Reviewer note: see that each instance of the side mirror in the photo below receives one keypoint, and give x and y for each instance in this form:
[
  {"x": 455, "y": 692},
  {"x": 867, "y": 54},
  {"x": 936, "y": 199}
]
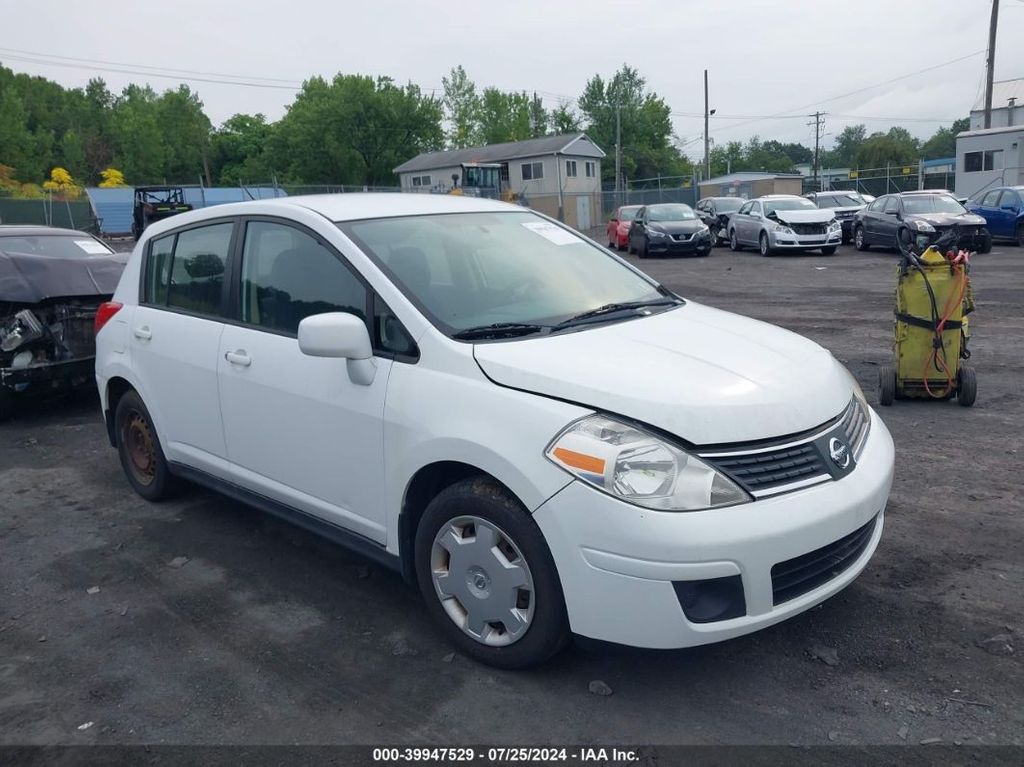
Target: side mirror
[{"x": 340, "y": 335}]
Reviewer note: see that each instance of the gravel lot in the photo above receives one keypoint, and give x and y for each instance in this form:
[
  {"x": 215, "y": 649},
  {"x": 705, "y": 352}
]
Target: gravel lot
[{"x": 267, "y": 635}]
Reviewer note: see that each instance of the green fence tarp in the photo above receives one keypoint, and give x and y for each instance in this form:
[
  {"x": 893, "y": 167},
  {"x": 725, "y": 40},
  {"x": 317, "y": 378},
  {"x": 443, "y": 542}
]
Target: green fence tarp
[{"x": 71, "y": 215}]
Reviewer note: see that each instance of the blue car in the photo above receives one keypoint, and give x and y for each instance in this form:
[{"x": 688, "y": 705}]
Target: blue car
[{"x": 1003, "y": 211}]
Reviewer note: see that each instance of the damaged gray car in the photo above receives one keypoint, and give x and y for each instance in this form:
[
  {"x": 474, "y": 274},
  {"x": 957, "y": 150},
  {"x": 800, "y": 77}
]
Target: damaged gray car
[{"x": 51, "y": 283}]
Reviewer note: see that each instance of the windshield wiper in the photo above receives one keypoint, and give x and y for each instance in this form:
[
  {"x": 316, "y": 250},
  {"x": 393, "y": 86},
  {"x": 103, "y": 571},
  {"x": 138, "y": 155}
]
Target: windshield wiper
[
  {"x": 498, "y": 330},
  {"x": 613, "y": 308}
]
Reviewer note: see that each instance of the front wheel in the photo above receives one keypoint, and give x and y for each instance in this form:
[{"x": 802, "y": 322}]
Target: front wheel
[
  {"x": 734, "y": 243},
  {"x": 138, "y": 447},
  {"x": 966, "y": 386},
  {"x": 986, "y": 243},
  {"x": 1020, "y": 235},
  {"x": 763, "y": 244},
  {"x": 641, "y": 250},
  {"x": 886, "y": 385},
  {"x": 488, "y": 577},
  {"x": 859, "y": 242}
]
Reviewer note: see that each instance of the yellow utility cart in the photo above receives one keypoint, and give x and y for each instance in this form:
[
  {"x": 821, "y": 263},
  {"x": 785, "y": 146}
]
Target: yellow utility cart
[{"x": 933, "y": 299}]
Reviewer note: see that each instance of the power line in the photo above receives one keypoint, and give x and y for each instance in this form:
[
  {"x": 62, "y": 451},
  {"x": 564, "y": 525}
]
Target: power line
[{"x": 146, "y": 66}]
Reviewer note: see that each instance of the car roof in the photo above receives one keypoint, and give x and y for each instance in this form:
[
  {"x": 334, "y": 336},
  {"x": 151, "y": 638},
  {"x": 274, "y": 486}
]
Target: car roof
[
  {"x": 911, "y": 192},
  {"x": 24, "y": 230},
  {"x": 779, "y": 197},
  {"x": 352, "y": 206}
]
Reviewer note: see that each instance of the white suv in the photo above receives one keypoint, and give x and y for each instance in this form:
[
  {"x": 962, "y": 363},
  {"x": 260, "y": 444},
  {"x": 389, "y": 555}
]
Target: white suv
[{"x": 542, "y": 437}]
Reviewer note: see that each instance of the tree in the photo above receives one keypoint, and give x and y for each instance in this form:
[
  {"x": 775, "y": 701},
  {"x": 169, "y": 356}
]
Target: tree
[
  {"x": 538, "y": 117},
  {"x": 461, "y": 105},
  {"x": 879, "y": 150},
  {"x": 186, "y": 135},
  {"x": 503, "y": 116},
  {"x": 848, "y": 143},
  {"x": 648, "y": 147},
  {"x": 943, "y": 141},
  {"x": 564, "y": 120},
  {"x": 62, "y": 184},
  {"x": 136, "y": 135},
  {"x": 112, "y": 178},
  {"x": 240, "y": 150},
  {"x": 355, "y": 130}
]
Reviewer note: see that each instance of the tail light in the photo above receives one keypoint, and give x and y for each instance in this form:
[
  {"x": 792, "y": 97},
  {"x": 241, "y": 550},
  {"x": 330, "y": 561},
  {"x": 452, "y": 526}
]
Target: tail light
[{"x": 105, "y": 311}]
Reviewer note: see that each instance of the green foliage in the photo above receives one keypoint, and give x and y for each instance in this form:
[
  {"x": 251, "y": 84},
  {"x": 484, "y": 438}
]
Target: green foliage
[
  {"x": 897, "y": 147},
  {"x": 564, "y": 120},
  {"x": 461, "y": 107},
  {"x": 648, "y": 147},
  {"x": 240, "y": 150},
  {"x": 504, "y": 116},
  {"x": 355, "y": 130},
  {"x": 538, "y": 117}
]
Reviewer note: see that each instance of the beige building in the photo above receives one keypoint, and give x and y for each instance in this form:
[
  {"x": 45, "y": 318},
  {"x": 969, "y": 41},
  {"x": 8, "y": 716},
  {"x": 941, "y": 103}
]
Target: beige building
[
  {"x": 556, "y": 175},
  {"x": 749, "y": 185}
]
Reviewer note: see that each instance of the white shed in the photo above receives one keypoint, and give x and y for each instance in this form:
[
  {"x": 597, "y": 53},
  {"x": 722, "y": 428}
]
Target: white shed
[{"x": 986, "y": 159}]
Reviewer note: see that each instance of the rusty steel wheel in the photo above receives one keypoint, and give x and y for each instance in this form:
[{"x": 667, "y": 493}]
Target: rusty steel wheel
[
  {"x": 138, "y": 439},
  {"x": 138, "y": 446}
]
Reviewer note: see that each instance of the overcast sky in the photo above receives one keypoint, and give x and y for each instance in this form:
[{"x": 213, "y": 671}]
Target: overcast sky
[{"x": 765, "y": 57}]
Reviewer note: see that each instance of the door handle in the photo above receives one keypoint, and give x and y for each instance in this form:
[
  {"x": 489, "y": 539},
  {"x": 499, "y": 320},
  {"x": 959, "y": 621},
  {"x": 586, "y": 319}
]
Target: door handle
[
  {"x": 143, "y": 332},
  {"x": 238, "y": 357}
]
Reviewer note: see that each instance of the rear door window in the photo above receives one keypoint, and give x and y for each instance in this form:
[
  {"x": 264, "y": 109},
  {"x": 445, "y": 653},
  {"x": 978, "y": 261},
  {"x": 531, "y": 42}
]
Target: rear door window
[{"x": 197, "y": 269}]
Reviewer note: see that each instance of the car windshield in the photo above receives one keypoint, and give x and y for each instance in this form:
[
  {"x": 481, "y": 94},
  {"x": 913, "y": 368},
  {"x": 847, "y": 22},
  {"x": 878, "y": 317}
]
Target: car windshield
[
  {"x": 55, "y": 245},
  {"x": 729, "y": 204},
  {"x": 471, "y": 270},
  {"x": 932, "y": 203},
  {"x": 841, "y": 201},
  {"x": 790, "y": 203},
  {"x": 670, "y": 213},
  {"x": 627, "y": 214}
]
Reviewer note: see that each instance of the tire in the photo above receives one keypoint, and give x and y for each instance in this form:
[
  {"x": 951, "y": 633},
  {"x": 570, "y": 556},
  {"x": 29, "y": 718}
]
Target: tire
[
  {"x": 138, "y": 447},
  {"x": 734, "y": 244},
  {"x": 455, "y": 515},
  {"x": 641, "y": 252},
  {"x": 829, "y": 251},
  {"x": 986, "y": 243},
  {"x": 886, "y": 385},
  {"x": 1020, "y": 235},
  {"x": 763, "y": 245},
  {"x": 859, "y": 240},
  {"x": 6, "y": 404},
  {"x": 966, "y": 386},
  {"x": 714, "y": 232}
]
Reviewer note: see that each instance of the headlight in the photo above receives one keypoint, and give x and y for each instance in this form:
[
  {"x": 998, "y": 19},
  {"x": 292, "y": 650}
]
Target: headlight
[
  {"x": 654, "y": 233},
  {"x": 641, "y": 468},
  {"x": 781, "y": 229},
  {"x": 924, "y": 226},
  {"x": 835, "y": 225}
]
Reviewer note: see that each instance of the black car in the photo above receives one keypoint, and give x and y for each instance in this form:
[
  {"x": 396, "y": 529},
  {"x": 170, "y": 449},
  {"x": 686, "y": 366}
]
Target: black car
[
  {"x": 715, "y": 212},
  {"x": 668, "y": 229},
  {"x": 918, "y": 219},
  {"x": 845, "y": 204},
  {"x": 51, "y": 283}
]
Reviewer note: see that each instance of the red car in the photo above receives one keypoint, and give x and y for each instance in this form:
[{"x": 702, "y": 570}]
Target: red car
[{"x": 618, "y": 226}]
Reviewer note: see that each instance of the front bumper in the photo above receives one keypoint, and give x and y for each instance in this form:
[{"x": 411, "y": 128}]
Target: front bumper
[
  {"x": 621, "y": 566},
  {"x": 780, "y": 241},
  {"x": 699, "y": 244}
]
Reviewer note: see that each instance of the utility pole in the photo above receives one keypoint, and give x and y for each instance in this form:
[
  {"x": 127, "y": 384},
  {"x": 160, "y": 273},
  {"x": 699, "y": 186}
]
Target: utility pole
[
  {"x": 618, "y": 148},
  {"x": 991, "y": 62},
  {"x": 707, "y": 143},
  {"x": 818, "y": 120}
]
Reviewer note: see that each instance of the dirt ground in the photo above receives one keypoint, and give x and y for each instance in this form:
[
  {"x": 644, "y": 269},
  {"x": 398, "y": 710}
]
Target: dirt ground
[{"x": 268, "y": 635}]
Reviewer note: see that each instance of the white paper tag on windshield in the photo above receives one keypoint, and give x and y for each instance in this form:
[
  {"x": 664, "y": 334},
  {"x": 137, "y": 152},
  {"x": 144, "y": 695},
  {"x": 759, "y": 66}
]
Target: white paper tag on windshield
[
  {"x": 552, "y": 233},
  {"x": 92, "y": 247}
]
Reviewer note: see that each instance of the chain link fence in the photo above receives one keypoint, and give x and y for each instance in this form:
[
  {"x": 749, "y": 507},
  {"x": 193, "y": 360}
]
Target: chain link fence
[{"x": 879, "y": 181}]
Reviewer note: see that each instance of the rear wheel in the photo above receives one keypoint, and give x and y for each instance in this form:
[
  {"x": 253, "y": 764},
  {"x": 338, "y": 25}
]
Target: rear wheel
[
  {"x": 487, "y": 576},
  {"x": 763, "y": 244},
  {"x": 138, "y": 447},
  {"x": 966, "y": 386},
  {"x": 886, "y": 385},
  {"x": 734, "y": 244},
  {"x": 859, "y": 242}
]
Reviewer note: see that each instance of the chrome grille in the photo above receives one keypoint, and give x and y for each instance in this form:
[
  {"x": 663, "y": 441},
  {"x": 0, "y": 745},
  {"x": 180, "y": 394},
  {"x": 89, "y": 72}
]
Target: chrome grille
[{"x": 779, "y": 466}]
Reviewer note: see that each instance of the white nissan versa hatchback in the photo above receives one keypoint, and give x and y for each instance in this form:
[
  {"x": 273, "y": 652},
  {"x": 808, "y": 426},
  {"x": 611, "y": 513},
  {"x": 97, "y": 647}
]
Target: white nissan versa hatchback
[{"x": 542, "y": 437}]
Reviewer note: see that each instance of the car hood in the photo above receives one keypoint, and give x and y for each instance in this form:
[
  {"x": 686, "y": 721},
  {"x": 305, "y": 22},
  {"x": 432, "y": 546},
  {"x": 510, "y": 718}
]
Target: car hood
[
  {"x": 805, "y": 216},
  {"x": 705, "y": 375},
  {"x": 27, "y": 278},
  {"x": 947, "y": 219},
  {"x": 676, "y": 227}
]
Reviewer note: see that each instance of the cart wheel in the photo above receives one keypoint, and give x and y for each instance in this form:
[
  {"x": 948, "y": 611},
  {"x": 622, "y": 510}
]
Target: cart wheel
[
  {"x": 966, "y": 386},
  {"x": 886, "y": 385}
]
